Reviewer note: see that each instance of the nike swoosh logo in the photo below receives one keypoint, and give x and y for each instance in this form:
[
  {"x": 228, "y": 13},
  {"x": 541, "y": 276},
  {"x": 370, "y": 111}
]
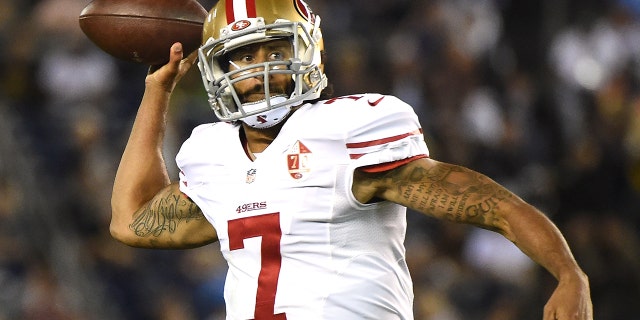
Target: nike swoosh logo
[{"x": 375, "y": 103}]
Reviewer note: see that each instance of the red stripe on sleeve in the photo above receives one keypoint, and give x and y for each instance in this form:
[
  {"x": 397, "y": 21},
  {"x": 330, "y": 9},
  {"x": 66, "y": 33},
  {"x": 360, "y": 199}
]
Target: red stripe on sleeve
[
  {"x": 383, "y": 140},
  {"x": 381, "y": 167}
]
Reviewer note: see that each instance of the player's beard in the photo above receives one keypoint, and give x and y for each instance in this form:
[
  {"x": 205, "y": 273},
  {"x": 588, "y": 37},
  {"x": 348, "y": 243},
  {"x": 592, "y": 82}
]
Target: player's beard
[{"x": 255, "y": 99}]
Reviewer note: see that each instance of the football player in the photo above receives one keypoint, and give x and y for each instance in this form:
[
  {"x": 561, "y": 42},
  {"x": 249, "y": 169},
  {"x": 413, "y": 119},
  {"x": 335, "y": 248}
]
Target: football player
[{"x": 306, "y": 194}]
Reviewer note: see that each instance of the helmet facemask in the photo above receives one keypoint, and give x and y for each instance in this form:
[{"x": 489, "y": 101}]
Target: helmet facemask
[{"x": 304, "y": 67}]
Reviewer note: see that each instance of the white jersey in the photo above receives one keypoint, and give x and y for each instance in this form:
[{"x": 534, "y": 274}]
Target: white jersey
[{"x": 299, "y": 246}]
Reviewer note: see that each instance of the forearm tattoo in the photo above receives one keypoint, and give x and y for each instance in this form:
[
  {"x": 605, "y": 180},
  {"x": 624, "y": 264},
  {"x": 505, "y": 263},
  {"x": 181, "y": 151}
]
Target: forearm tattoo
[
  {"x": 454, "y": 193},
  {"x": 164, "y": 213}
]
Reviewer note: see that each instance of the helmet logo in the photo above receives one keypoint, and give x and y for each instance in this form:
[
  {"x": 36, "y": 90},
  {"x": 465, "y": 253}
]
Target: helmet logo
[
  {"x": 239, "y": 25},
  {"x": 261, "y": 118},
  {"x": 304, "y": 10}
]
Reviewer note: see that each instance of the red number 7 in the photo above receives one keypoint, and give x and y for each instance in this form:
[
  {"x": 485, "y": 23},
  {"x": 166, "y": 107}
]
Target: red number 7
[{"x": 268, "y": 227}]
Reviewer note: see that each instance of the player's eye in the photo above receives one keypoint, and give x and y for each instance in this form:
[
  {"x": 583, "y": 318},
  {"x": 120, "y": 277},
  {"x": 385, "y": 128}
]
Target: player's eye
[
  {"x": 241, "y": 59},
  {"x": 247, "y": 59},
  {"x": 276, "y": 56}
]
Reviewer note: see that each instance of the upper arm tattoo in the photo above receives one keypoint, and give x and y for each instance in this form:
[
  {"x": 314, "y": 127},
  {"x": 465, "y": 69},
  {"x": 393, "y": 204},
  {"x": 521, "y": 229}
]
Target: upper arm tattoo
[
  {"x": 163, "y": 213},
  {"x": 451, "y": 192}
]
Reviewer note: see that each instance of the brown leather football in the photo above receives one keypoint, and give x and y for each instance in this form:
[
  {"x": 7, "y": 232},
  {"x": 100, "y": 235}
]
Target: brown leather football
[{"x": 142, "y": 31}]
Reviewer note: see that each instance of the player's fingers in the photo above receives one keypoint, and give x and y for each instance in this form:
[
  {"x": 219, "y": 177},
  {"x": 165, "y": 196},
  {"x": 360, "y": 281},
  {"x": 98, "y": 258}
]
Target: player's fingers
[
  {"x": 176, "y": 52},
  {"x": 175, "y": 55},
  {"x": 186, "y": 63},
  {"x": 166, "y": 76},
  {"x": 191, "y": 58}
]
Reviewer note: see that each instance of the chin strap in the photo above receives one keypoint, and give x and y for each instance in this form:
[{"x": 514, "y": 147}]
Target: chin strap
[{"x": 268, "y": 118}]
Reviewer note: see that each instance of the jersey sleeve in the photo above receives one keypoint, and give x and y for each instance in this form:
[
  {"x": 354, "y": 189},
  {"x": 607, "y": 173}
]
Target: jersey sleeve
[
  {"x": 387, "y": 134},
  {"x": 190, "y": 160}
]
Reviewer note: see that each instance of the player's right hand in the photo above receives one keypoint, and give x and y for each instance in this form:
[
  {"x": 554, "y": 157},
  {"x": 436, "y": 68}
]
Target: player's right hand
[{"x": 167, "y": 76}]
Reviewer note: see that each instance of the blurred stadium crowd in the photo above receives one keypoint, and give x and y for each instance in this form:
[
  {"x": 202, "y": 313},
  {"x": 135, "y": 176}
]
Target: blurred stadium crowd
[{"x": 543, "y": 96}]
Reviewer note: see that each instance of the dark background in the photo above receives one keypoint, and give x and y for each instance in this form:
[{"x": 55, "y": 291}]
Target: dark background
[{"x": 540, "y": 95}]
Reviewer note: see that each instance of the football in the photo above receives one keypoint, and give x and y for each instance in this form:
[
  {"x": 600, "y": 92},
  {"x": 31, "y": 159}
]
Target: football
[{"x": 142, "y": 31}]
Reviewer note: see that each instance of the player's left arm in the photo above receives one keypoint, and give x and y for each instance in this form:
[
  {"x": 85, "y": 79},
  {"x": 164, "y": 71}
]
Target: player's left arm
[{"x": 462, "y": 195}]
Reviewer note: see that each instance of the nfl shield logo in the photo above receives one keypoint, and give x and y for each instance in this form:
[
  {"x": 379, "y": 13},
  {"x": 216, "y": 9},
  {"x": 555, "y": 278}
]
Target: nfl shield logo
[{"x": 251, "y": 176}]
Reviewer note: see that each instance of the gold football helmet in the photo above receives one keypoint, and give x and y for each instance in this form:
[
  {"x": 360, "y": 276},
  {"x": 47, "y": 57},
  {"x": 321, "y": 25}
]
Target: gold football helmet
[{"x": 232, "y": 24}]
